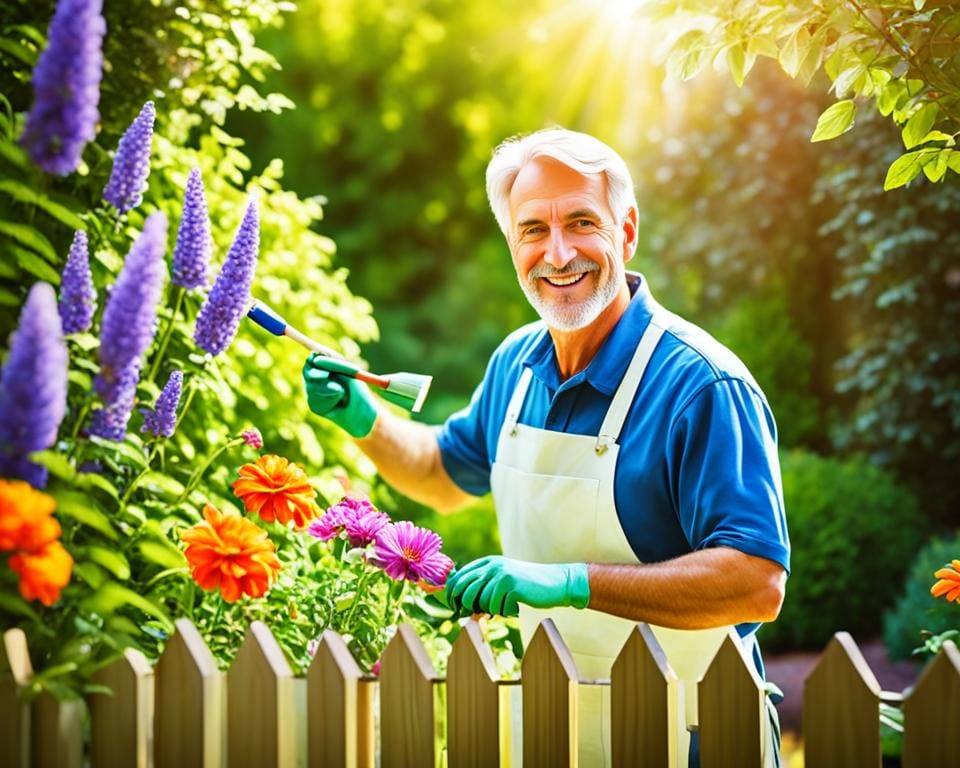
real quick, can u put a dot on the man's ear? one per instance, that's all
(629, 234)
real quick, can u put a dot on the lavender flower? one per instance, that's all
(129, 317)
(220, 314)
(162, 420)
(406, 551)
(33, 387)
(131, 164)
(191, 255)
(110, 422)
(66, 87)
(78, 297)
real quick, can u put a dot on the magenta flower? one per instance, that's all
(348, 510)
(328, 526)
(363, 529)
(406, 551)
(252, 437)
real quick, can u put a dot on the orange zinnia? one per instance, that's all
(232, 554)
(949, 583)
(43, 573)
(26, 517)
(277, 489)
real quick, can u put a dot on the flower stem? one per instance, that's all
(361, 583)
(168, 332)
(197, 476)
(136, 481)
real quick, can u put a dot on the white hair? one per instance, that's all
(579, 151)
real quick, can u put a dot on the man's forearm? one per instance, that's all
(408, 458)
(708, 588)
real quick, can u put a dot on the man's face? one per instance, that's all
(568, 249)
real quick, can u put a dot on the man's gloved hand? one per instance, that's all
(497, 584)
(347, 402)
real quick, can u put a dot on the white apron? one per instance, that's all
(554, 498)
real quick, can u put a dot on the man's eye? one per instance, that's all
(533, 230)
(584, 223)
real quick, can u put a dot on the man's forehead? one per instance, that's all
(545, 181)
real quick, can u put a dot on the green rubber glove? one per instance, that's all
(340, 398)
(496, 585)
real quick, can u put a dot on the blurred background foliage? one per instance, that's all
(842, 299)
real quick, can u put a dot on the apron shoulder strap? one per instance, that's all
(516, 402)
(623, 397)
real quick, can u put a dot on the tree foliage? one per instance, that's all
(901, 54)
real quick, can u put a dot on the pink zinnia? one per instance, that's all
(363, 530)
(406, 551)
(335, 519)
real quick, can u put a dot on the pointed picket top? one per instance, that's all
(261, 712)
(121, 723)
(15, 673)
(473, 701)
(841, 704)
(644, 706)
(931, 712)
(188, 709)
(332, 697)
(731, 709)
(407, 714)
(550, 699)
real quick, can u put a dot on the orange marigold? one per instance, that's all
(26, 517)
(277, 489)
(949, 582)
(232, 554)
(43, 573)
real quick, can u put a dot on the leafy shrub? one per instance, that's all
(853, 529)
(916, 609)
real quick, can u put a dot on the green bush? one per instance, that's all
(853, 529)
(917, 609)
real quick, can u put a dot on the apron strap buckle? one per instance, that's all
(603, 443)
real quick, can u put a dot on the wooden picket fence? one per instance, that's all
(185, 712)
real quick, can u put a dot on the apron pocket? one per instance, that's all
(545, 518)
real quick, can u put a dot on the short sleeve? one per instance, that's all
(725, 472)
(463, 445)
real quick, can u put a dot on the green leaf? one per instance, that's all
(90, 573)
(24, 194)
(31, 238)
(836, 119)
(905, 169)
(939, 136)
(162, 552)
(794, 51)
(56, 463)
(93, 480)
(687, 55)
(13, 154)
(85, 510)
(126, 450)
(111, 596)
(888, 97)
(937, 168)
(18, 51)
(162, 485)
(760, 45)
(12, 603)
(953, 162)
(114, 562)
(736, 60)
(36, 266)
(920, 124)
(918, 4)
(847, 80)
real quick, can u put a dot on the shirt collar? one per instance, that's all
(608, 366)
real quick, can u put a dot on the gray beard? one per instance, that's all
(572, 315)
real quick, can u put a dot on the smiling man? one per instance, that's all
(632, 458)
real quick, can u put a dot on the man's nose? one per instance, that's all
(559, 251)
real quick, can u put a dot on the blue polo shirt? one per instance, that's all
(698, 463)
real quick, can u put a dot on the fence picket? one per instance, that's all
(57, 732)
(333, 689)
(549, 700)
(931, 713)
(407, 715)
(731, 709)
(189, 719)
(15, 674)
(841, 709)
(473, 702)
(261, 715)
(121, 723)
(644, 705)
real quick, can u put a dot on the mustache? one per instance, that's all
(578, 265)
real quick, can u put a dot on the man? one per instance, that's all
(631, 457)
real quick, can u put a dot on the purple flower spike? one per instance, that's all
(220, 314)
(110, 422)
(191, 255)
(78, 297)
(131, 165)
(130, 315)
(33, 387)
(66, 87)
(406, 551)
(162, 420)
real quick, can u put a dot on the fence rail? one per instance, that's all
(185, 712)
